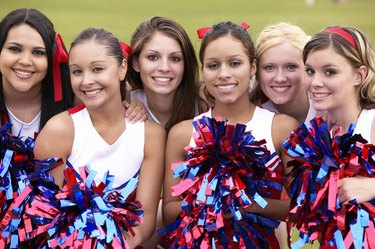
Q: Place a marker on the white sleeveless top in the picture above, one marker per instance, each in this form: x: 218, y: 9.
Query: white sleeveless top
x: 27, y: 129
x: 260, y: 126
x: 123, y: 158
x: 364, y: 124
x: 141, y: 96
x: 270, y: 106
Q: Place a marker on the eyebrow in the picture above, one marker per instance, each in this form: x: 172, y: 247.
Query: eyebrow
x: 17, y: 44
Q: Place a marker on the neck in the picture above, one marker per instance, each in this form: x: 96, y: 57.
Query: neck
x: 233, y: 113
x: 297, y: 109
x: 344, y: 119
x: 25, y: 106
x: 160, y: 106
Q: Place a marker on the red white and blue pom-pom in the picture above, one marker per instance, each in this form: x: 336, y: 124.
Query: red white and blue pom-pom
x: 321, y: 158
x: 83, y: 215
x: 221, y: 176
x: 21, y: 179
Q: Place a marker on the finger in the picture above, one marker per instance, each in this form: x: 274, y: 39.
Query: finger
x: 126, y: 104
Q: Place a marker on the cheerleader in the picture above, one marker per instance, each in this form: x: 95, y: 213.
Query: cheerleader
x: 97, y: 134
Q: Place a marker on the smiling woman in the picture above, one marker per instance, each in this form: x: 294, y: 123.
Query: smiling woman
x: 34, y: 83
x: 163, y: 70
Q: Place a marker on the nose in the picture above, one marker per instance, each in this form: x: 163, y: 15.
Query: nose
x: 224, y: 72
x: 25, y: 59
x: 164, y: 65
x: 280, y: 76
x: 87, y: 79
x: 314, y: 81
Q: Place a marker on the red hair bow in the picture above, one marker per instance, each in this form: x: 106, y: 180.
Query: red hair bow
x: 60, y: 56
x: 202, y: 31
x: 126, y: 49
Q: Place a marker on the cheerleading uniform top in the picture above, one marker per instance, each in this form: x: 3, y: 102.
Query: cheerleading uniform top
x: 141, y: 96
x: 27, y: 129
x: 122, y: 159
x: 260, y: 126
x: 364, y: 123
x: 270, y: 106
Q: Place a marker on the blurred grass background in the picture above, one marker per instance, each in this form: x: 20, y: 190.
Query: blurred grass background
x: 122, y: 16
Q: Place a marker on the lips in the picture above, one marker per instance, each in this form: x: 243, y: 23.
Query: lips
x: 320, y: 95
x: 162, y: 79
x: 23, y: 73
x: 226, y: 86
x: 280, y: 89
x: 92, y: 92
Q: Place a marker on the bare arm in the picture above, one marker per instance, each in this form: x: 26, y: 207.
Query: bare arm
x: 282, y: 125
x: 56, y: 140
x: 178, y: 137
x: 150, y: 182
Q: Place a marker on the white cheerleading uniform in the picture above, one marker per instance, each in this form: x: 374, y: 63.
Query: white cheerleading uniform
x: 122, y: 159
x: 364, y: 124
x: 270, y: 106
x: 141, y: 96
x: 23, y: 129
x: 260, y: 126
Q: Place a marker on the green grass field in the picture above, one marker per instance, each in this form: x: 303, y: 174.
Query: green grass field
x: 122, y: 16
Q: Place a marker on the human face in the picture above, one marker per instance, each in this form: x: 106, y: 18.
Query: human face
x: 23, y: 61
x: 161, y: 65
x: 95, y: 76
x: 280, y: 74
x: 227, y: 70
x: 331, y: 81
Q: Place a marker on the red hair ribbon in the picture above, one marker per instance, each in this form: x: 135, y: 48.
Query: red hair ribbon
x: 202, y: 31
x: 344, y: 34
x: 60, y: 56
x: 126, y: 49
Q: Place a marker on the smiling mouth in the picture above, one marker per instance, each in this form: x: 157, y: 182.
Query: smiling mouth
x: 320, y: 95
x: 162, y: 79
x: 23, y: 73
x: 227, y: 86
x: 280, y: 89
x: 93, y: 92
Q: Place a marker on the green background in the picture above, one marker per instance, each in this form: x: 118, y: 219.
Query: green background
x: 121, y: 17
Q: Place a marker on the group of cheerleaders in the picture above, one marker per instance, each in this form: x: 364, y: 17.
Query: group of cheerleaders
x: 276, y: 137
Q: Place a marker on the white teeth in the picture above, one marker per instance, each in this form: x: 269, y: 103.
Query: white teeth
x: 280, y: 89
x: 92, y: 92
x: 162, y: 79
x: 226, y: 86
x: 23, y: 73
x: 320, y: 95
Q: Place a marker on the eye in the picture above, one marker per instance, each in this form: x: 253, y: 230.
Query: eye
x: 330, y: 72
x: 14, y: 49
x: 76, y: 72
x: 309, y: 71
x: 235, y: 63
x: 152, y: 57
x: 97, y: 69
x: 291, y: 67
x: 175, y: 59
x: 39, y: 52
x: 269, y: 68
x: 212, y: 66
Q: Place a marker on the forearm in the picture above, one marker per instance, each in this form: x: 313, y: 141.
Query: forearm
x: 171, y: 210
x: 275, y: 209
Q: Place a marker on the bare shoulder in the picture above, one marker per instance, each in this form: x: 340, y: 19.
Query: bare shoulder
x: 153, y: 129
x: 285, y: 123
x: 282, y: 126
x: 56, y: 137
x: 182, y: 131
